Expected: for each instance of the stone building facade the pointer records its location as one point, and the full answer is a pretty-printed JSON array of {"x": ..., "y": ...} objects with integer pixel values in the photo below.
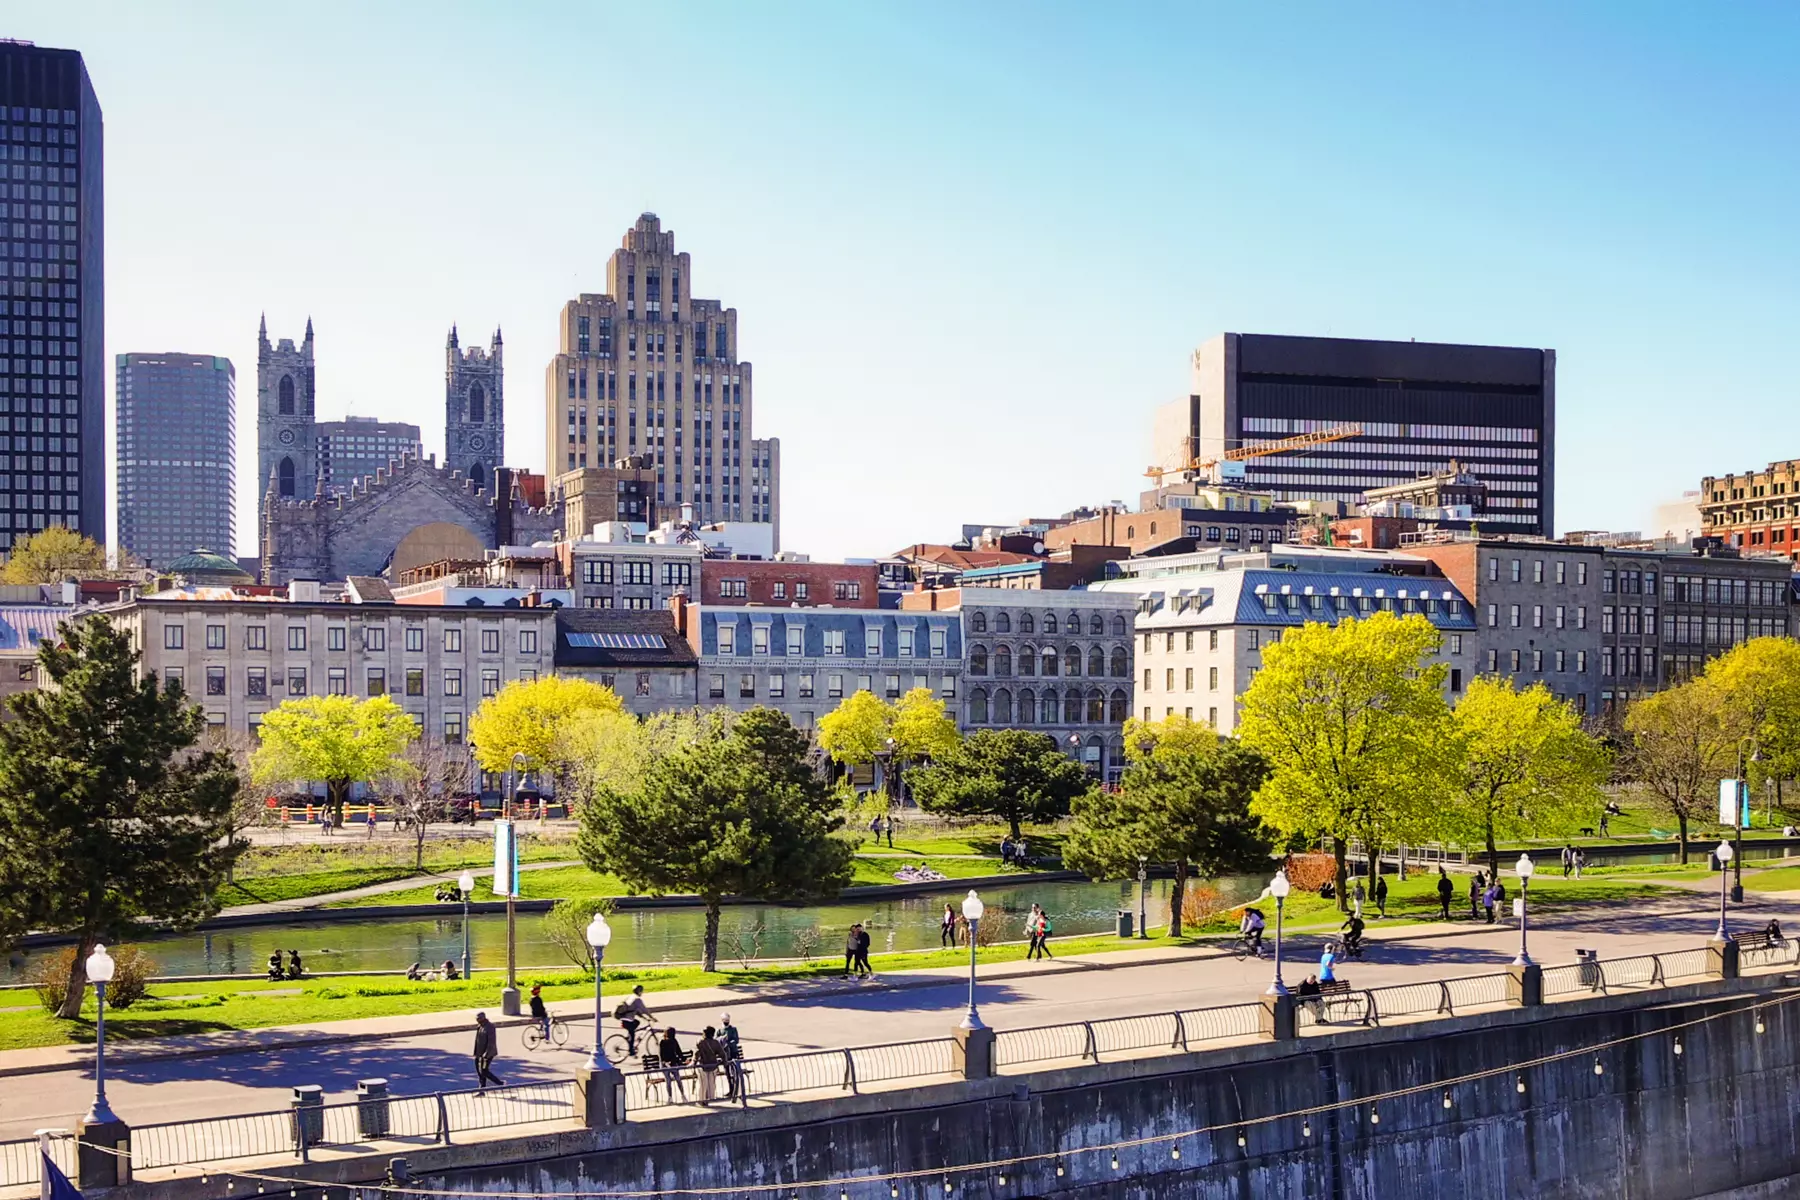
[
  {"x": 1757, "y": 512},
  {"x": 648, "y": 368},
  {"x": 475, "y": 408},
  {"x": 287, "y": 450},
  {"x": 639, "y": 655}
]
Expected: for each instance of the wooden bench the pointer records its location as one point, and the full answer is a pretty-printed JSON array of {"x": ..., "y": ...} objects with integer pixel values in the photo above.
[
  {"x": 1337, "y": 994},
  {"x": 656, "y": 1072},
  {"x": 1760, "y": 943}
]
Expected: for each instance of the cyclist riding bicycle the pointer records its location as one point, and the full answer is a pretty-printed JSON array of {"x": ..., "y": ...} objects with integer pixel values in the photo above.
[
  {"x": 1353, "y": 935},
  {"x": 1250, "y": 929},
  {"x": 539, "y": 1013},
  {"x": 631, "y": 1015}
]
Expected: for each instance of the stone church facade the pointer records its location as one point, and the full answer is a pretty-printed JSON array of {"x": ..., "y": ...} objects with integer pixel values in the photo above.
[{"x": 411, "y": 512}]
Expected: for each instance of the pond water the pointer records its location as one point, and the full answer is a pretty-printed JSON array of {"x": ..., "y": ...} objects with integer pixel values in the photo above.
[{"x": 650, "y": 935}]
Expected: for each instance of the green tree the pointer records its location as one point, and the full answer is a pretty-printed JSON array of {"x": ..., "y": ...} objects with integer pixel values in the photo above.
[
  {"x": 527, "y": 716},
  {"x": 922, "y": 727},
  {"x": 856, "y": 730},
  {"x": 53, "y": 554},
  {"x": 1681, "y": 742},
  {"x": 1348, "y": 717},
  {"x": 1012, "y": 774},
  {"x": 740, "y": 814},
  {"x": 1185, "y": 800},
  {"x": 1758, "y": 684},
  {"x": 339, "y": 741},
  {"x": 607, "y": 749},
  {"x": 110, "y": 813},
  {"x": 1518, "y": 764}
]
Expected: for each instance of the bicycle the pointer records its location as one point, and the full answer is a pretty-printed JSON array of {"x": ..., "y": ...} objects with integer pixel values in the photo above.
[
  {"x": 617, "y": 1047},
  {"x": 1244, "y": 947},
  {"x": 534, "y": 1036}
]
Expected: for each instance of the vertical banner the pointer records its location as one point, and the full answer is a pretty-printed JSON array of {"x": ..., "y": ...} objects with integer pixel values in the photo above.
[
  {"x": 1729, "y": 810},
  {"x": 506, "y": 859}
]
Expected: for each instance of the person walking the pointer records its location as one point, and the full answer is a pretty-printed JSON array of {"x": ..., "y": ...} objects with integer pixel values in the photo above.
[
  {"x": 850, "y": 944},
  {"x": 1489, "y": 898},
  {"x": 487, "y": 1046},
  {"x": 1043, "y": 930},
  {"x": 709, "y": 1056},
  {"x": 1477, "y": 885},
  {"x": 1356, "y": 896},
  {"x": 862, "y": 952},
  {"x": 1006, "y": 850},
  {"x": 1580, "y": 861},
  {"x": 1021, "y": 855},
  {"x": 1381, "y": 889},
  {"x": 947, "y": 928},
  {"x": 1328, "y": 963},
  {"x": 1568, "y": 859},
  {"x": 1446, "y": 891},
  {"x": 371, "y": 822},
  {"x": 734, "y": 1056}
]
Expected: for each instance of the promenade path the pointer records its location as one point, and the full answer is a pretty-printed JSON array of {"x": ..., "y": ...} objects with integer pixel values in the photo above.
[{"x": 53, "y": 1086}]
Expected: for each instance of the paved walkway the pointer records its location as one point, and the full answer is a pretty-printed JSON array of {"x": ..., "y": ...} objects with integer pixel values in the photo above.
[{"x": 255, "y": 1070}]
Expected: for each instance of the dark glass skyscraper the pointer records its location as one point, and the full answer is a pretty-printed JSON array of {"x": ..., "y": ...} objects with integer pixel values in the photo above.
[
  {"x": 52, "y": 302},
  {"x": 177, "y": 487}
]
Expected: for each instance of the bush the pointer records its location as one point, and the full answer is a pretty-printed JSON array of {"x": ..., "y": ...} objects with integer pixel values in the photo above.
[
  {"x": 1310, "y": 872},
  {"x": 49, "y": 977},
  {"x": 565, "y": 926},
  {"x": 1200, "y": 904}
]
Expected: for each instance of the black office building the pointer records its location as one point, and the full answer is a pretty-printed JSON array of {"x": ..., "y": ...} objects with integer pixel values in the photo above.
[
  {"x": 52, "y": 299},
  {"x": 1420, "y": 406}
]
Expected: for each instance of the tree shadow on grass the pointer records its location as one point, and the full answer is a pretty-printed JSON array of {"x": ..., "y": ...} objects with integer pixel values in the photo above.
[{"x": 137, "y": 1028}]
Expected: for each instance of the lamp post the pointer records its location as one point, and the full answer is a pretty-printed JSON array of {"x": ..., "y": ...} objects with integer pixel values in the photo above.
[
  {"x": 509, "y": 996},
  {"x": 889, "y": 779},
  {"x": 100, "y": 972},
  {"x": 1724, "y": 854},
  {"x": 1279, "y": 888},
  {"x": 466, "y": 885},
  {"x": 1739, "y": 803},
  {"x": 599, "y": 934},
  {"x": 972, "y": 908},
  {"x": 1143, "y": 893},
  {"x": 1525, "y": 868}
]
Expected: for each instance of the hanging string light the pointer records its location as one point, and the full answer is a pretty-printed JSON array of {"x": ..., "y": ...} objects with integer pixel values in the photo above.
[
  {"x": 1678, "y": 1045},
  {"x": 1599, "y": 1067},
  {"x": 1374, "y": 1115},
  {"x": 1447, "y": 1100},
  {"x": 1059, "y": 1166},
  {"x": 1242, "y": 1140},
  {"x": 1306, "y": 1127},
  {"x": 1520, "y": 1085}
]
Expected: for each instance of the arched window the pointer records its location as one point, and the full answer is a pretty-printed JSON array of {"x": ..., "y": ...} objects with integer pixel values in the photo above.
[
  {"x": 1049, "y": 622},
  {"x": 1025, "y": 625},
  {"x": 1072, "y": 706},
  {"x": 1049, "y": 661},
  {"x": 978, "y": 707},
  {"x": 1096, "y": 707},
  {"x": 477, "y": 405},
  {"x": 287, "y": 395},
  {"x": 1027, "y": 660},
  {"x": 478, "y": 473},
  {"x": 1130, "y": 532},
  {"x": 1003, "y": 660},
  {"x": 1003, "y": 707},
  {"x": 1002, "y": 623},
  {"x": 285, "y": 475},
  {"x": 1027, "y": 707},
  {"x": 1047, "y": 708},
  {"x": 1121, "y": 663},
  {"x": 1074, "y": 622},
  {"x": 1153, "y": 528},
  {"x": 1118, "y": 627},
  {"x": 1072, "y": 661},
  {"x": 978, "y": 660},
  {"x": 1118, "y": 707},
  {"x": 1096, "y": 625},
  {"x": 1096, "y": 661},
  {"x": 977, "y": 622}
]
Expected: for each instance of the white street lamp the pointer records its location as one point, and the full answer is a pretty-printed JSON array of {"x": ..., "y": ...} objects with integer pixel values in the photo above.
[
  {"x": 1279, "y": 887},
  {"x": 1724, "y": 854},
  {"x": 972, "y": 908},
  {"x": 466, "y": 885},
  {"x": 100, "y": 972},
  {"x": 599, "y": 935},
  {"x": 1525, "y": 867}
]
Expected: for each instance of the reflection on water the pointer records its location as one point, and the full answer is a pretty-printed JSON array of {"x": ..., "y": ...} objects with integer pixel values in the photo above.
[{"x": 650, "y": 935}]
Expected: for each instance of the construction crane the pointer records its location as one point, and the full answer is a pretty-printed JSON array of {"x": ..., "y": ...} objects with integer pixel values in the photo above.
[{"x": 1304, "y": 441}]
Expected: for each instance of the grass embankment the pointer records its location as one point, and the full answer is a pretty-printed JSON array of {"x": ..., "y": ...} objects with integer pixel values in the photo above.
[
  {"x": 1776, "y": 879},
  {"x": 303, "y": 868},
  {"x": 184, "y": 1008}
]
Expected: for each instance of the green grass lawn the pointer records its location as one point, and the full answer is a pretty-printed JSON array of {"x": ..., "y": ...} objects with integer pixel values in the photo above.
[
  {"x": 1776, "y": 879},
  {"x": 267, "y": 889}
]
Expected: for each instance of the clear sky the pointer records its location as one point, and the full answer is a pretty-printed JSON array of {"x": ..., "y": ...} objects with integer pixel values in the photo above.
[{"x": 971, "y": 246}]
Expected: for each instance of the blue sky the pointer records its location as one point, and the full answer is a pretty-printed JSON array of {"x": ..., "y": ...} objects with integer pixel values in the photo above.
[{"x": 972, "y": 246}]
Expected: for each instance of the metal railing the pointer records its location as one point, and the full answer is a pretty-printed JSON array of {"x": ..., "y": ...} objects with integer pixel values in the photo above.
[
  {"x": 1643, "y": 971},
  {"x": 1089, "y": 1040},
  {"x": 20, "y": 1162},
  {"x": 785, "y": 1074}
]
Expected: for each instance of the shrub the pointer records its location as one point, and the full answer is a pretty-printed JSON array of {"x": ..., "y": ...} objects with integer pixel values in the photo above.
[
  {"x": 49, "y": 977},
  {"x": 1310, "y": 872},
  {"x": 807, "y": 941},
  {"x": 565, "y": 926},
  {"x": 1200, "y": 904}
]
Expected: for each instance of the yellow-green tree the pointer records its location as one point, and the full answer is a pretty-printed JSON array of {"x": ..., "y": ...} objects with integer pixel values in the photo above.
[
  {"x": 1348, "y": 717},
  {"x": 922, "y": 727},
  {"x": 340, "y": 741},
  {"x": 526, "y": 716},
  {"x": 1518, "y": 764},
  {"x": 606, "y": 748},
  {"x": 1681, "y": 742},
  {"x": 1758, "y": 683},
  {"x": 52, "y": 554},
  {"x": 856, "y": 730}
]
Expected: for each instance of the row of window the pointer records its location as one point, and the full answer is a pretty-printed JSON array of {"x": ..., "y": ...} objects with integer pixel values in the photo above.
[
  {"x": 1561, "y": 617},
  {"x": 834, "y": 642},
  {"x": 1289, "y": 602},
  {"x": 1516, "y": 660},
  {"x": 337, "y": 638},
  {"x": 774, "y": 685},
  {"x": 1559, "y": 569},
  {"x": 1719, "y": 631},
  {"x": 1003, "y": 623},
  {"x": 635, "y": 571},
  {"x": 337, "y": 681},
  {"x": 1073, "y": 707},
  {"x": 1485, "y": 433},
  {"x": 1716, "y": 589},
  {"x": 1048, "y": 661},
  {"x": 453, "y": 724}
]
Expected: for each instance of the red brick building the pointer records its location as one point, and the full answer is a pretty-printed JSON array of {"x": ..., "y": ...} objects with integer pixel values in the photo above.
[
  {"x": 1757, "y": 512},
  {"x": 806, "y": 584}
]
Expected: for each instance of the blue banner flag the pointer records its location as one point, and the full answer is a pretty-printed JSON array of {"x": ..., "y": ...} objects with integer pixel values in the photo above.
[{"x": 59, "y": 1186}]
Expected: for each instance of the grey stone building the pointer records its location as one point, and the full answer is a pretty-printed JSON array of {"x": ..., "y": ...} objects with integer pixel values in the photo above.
[
  {"x": 475, "y": 408},
  {"x": 287, "y": 449},
  {"x": 177, "y": 455},
  {"x": 641, "y": 656},
  {"x": 52, "y": 297}
]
